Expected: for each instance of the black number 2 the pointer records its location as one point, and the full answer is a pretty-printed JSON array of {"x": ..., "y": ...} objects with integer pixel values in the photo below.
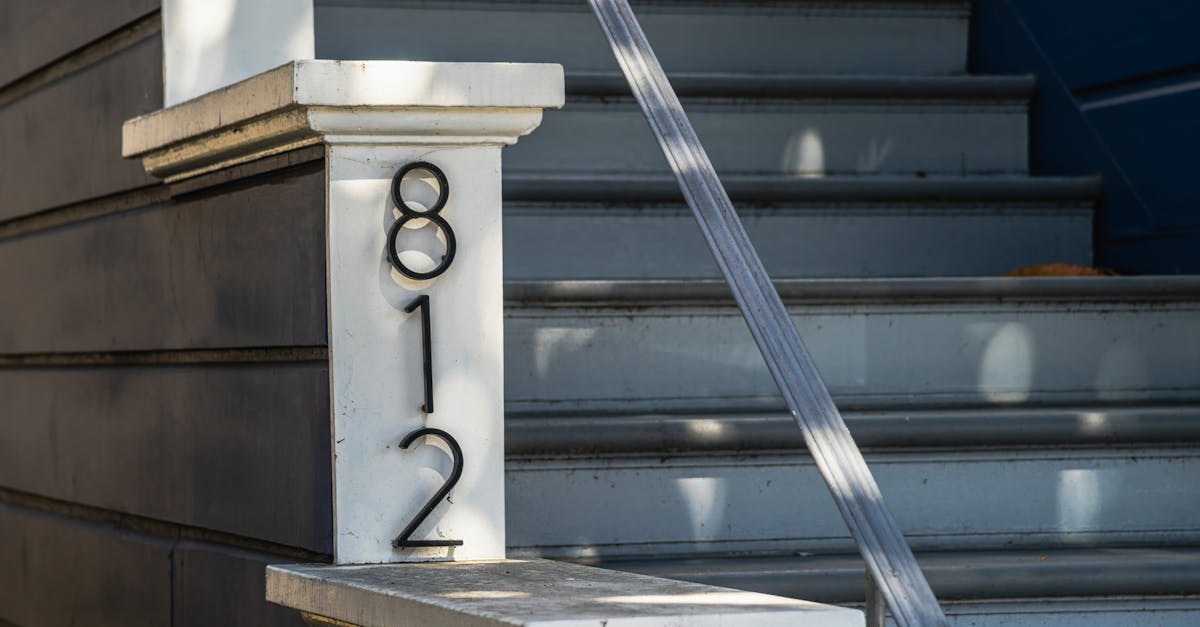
[{"x": 402, "y": 540}]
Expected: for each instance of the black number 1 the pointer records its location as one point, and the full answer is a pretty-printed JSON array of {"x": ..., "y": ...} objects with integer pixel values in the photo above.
[{"x": 422, "y": 303}]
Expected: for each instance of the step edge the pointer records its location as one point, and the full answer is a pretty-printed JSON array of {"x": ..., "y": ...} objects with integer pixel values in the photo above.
[
  {"x": 887, "y": 291},
  {"x": 547, "y": 187},
  {"x": 528, "y": 436}
]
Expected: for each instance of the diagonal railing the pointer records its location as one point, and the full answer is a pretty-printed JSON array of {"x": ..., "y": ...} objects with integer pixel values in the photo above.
[{"x": 892, "y": 568}]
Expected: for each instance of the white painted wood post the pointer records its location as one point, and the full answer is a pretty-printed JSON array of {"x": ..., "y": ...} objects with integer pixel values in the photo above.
[
  {"x": 208, "y": 44},
  {"x": 376, "y": 347},
  {"x": 376, "y": 352},
  {"x": 374, "y": 118}
]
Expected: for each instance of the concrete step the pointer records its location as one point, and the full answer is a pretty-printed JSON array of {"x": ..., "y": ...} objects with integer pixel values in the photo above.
[
  {"x": 1110, "y": 587},
  {"x": 526, "y": 593},
  {"x": 670, "y": 345},
  {"x": 638, "y": 227},
  {"x": 955, "y": 479},
  {"x": 795, "y": 125},
  {"x": 894, "y": 36}
]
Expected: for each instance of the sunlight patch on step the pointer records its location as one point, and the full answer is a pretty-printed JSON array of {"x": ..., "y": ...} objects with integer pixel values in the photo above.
[
  {"x": 804, "y": 155},
  {"x": 1081, "y": 497},
  {"x": 551, "y": 342},
  {"x": 1008, "y": 364},
  {"x": 706, "y": 500}
]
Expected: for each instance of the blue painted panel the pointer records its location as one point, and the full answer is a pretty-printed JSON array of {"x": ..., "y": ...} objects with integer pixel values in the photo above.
[
  {"x": 1094, "y": 43},
  {"x": 1112, "y": 99},
  {"x": 1155, "y": 142},
  {"x": 1156, "y": 254}
]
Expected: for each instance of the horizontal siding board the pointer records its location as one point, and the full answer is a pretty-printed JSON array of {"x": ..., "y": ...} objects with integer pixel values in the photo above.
[
  {"x": 60, "y": 572},
  {"x": 62, "y": 142},
  {"x": 219, "y": 586},
  {"x": 36, "y": 32},
  {"x": 240, "y": 265},
  {"x": 238, "y": 449}
]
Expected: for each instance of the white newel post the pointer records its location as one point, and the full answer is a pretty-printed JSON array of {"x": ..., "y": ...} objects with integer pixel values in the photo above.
[
  {"x": 375, "y": 118},
  {"x": 376, "y": 347},
  {"x": 371, "y": 120}
]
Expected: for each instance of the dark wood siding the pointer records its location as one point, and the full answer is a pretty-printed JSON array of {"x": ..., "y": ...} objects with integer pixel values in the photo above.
[
  {"x": 221, "y": 586},
  {"x": 62, "y": 140},
  {"x": 166, "y": 362},
  {"x": 242, "y": 449},
  {"x": 242, "y": 264},
  {"x": 63, "y": 572},
  {"x": 35, "y": 32},
  {"x": 164, "y": 384}
]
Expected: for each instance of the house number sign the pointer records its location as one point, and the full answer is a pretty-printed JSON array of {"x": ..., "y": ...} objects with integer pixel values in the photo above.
[
  {"x": 433, "y": 215},
  {"x": 423, "y": 304}
]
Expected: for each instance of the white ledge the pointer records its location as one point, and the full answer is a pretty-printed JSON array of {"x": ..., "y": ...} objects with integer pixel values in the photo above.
[
  {"x": 533, "y": 593},
  {"x": 307, "y": 102}
]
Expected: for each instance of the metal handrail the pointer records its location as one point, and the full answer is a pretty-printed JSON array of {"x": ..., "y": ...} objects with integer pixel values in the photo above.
[{"x": 890, "y": 562}]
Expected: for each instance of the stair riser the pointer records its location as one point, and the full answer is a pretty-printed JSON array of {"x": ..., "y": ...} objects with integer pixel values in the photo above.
[
  {"x": 870, "y": 354},
  {"x": 810, "y": 37},
  {"x": 1124, "y": 587},
  {"x": 780, "y": 137},
  {"x": 1115, "y": 612},
  {"x": 943, "y": 501},
  {"x": 576, "y": 242}
]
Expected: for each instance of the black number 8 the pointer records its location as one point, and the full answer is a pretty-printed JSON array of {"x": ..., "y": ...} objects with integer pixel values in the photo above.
[{"x": 407, "y": 214}]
